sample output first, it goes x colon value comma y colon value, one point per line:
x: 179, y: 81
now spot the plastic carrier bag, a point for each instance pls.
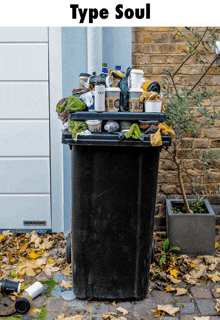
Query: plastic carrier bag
x: 156, y: 139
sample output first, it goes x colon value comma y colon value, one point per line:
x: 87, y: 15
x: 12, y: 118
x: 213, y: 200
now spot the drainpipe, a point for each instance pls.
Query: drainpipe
x: 94, y: 49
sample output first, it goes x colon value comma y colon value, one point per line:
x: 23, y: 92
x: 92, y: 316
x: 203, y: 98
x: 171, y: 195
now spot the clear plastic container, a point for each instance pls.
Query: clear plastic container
x: 94, y: 125
x: 152, y: 106
x: 112, y: 99
x: 136, y: 78
x: 135, y: 105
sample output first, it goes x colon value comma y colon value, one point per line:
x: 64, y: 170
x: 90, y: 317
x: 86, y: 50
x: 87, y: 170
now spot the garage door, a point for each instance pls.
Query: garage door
x: 25, y: 170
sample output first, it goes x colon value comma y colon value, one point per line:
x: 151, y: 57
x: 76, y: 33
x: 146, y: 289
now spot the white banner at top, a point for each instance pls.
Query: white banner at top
x: 75, y: 13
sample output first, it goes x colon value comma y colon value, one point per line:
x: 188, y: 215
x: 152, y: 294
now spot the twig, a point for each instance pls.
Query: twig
x: 187, y: 58
x: 162, y: 295
x: 162, y: 315
x: 217, y: 56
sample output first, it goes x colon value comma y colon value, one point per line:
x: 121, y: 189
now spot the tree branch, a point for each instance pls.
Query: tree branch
x: 217, y: 56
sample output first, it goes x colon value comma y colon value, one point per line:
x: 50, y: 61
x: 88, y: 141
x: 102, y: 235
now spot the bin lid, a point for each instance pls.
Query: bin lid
x: 111, y: 139
x: 118, y: 116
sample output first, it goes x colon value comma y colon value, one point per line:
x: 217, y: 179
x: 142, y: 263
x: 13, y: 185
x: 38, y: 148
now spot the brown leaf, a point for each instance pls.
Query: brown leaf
x: 172, y: 279
x: 30, y: 272
x: 168, y: 309
x: 215, y: 277
x: 180, y: 291
x: 217, y: 306
x: 66, y: 284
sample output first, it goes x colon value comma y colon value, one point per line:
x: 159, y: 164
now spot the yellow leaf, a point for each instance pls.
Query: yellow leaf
x: 23, y: 246
x: 174, y: 272
x: 216, y: 245
x: 193, y: 265
x: 35, y: 311
x: 169, y: 288
x: 114, y: 304
x: 1, y: 237
x: 157, y: 313
x: 122, y: 310
x: 33, y: 255
x: 50, y: 260
x: 23, y: 286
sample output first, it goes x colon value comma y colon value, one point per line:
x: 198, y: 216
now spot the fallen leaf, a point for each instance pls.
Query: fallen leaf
x: 169, y: 288
x: 217, y: 306
x: 215, y: 277
x: 187, y: 278
x: 66, y: 284
x: 50, y: 260
x: 193, y: 265
x: 61, y: 317
x: 157, y: 313
x: 201, y: 318
x: 172, y: 279
x: 35, y: 311
x: 168, y: 309
x: 30, y: 272
x: 114, y: 304
x: 174, y: 272
x: 122, y: 310
x: 212, y: 266
x: 180, y: 291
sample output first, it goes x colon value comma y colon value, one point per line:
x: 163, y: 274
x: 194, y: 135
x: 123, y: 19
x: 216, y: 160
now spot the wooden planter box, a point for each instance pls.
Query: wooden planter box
x: 194, y: 233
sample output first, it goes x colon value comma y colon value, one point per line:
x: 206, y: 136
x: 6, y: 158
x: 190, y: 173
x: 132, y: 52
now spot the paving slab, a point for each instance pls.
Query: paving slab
x: 206, y: 307
x: 99, y: 308
x: 201, y: 292
x: 39, y: 301
x: 55, y: 304
x: 187, y: 308
x: 51, y: 316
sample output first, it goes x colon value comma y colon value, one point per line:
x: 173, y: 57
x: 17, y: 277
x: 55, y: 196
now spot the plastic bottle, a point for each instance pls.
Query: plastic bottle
x: 104, y: 69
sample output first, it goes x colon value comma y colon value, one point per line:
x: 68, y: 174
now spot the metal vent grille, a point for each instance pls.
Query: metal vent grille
x: 34, y: 223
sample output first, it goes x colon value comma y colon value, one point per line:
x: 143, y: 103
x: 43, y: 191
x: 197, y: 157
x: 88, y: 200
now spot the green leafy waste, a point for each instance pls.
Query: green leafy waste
x: 72, y: 104
x: 134, y: 132
x: 77, y: 127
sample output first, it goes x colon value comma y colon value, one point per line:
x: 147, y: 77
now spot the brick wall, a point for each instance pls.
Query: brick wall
x: 154, y: 48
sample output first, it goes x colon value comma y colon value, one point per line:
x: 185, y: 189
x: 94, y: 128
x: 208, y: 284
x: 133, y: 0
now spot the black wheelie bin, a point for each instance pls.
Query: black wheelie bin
x: 114, y: 184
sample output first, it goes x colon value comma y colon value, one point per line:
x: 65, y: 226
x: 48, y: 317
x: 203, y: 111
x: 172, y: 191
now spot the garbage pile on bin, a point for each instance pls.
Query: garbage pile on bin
x: 115, y: 91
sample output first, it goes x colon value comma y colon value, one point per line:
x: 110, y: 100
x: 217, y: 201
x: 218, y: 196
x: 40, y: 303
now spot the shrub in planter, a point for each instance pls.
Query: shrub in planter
x: 194, y: 233
x: 190, y: 112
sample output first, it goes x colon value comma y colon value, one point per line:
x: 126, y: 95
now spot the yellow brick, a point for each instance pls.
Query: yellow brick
x: 140, y: 59
x: 150, y: 37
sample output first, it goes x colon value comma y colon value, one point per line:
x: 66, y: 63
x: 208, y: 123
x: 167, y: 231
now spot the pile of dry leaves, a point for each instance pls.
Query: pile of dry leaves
x: 192, y: 271
x: 29, y: 254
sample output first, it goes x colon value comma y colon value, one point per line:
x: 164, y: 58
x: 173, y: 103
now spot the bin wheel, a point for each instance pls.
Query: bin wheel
x: 68, y: 248
x: 152, y: 252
